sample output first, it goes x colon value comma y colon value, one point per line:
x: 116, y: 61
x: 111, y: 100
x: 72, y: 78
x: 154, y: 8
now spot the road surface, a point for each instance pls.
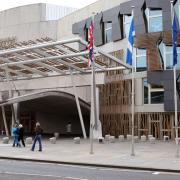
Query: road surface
x: 21, y: 170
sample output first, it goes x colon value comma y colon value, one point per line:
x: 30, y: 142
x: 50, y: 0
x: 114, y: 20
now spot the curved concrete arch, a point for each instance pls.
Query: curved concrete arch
x: 42, y: 94
x: 53, y: 109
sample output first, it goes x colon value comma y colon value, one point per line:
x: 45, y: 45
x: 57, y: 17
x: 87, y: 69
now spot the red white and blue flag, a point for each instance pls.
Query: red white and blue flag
x: 90, y: 44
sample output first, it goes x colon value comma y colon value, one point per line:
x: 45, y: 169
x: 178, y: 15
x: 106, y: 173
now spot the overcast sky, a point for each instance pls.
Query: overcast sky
x: 6, y: 4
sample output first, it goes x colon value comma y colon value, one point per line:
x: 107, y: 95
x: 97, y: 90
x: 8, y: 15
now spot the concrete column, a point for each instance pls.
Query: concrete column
x: 139, y: 92
x: 14, y: 109
x: 97, y: 102
x: 5, y: 122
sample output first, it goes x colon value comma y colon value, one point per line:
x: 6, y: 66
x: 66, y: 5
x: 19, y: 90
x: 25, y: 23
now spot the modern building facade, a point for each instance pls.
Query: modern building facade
x: 154, y: 103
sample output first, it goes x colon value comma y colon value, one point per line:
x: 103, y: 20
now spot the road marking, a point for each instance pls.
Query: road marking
x: 156, y: 173
x: 74, y: 178
x: 77, y: 166
x: 28, y: 174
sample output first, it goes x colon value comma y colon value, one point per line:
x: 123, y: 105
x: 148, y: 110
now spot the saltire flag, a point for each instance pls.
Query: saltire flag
x: 130, y: 43
x: 90, y: 44
x: 174, y: 38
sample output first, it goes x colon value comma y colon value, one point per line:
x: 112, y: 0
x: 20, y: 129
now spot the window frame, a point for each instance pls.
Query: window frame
x: 148, y: 16
x: 105, y: 32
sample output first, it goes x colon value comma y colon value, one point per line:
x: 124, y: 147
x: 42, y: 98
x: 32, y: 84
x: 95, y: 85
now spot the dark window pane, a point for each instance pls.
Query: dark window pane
x: 156, y: 86
x: 107, y: 32
x: 108, y: 36
x: 157, y: 97
x: 145, y: 91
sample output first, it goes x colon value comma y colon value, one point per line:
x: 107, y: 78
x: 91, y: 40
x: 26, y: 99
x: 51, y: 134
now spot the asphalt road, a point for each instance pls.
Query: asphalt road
x: 20, y: 170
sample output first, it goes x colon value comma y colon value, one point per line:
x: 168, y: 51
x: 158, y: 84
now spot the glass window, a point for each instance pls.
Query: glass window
x: 153, y: 94
x: 177, y: 8
x: 141, y: 60
x: 127, y: 20
x: 155, y: 24
x: 155, y: 12
x: 166, y: 52
x: 107, y: 32
x: 156, y: 86
x: 145, y: 91
x: 141, y: 63
x: 157, y: 97
x: 154, y: 18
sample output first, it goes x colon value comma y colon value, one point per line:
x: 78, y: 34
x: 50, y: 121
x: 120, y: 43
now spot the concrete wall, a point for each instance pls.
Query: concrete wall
x: 27, y: 23
x: 61, y: 83
x: 21, y: 15
x: 30, y: 31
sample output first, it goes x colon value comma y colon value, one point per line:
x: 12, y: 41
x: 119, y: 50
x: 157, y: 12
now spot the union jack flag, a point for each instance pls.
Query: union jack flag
x: 90, y: 44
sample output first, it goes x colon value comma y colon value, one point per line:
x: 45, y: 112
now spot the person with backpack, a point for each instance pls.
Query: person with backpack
x: 38, y: 137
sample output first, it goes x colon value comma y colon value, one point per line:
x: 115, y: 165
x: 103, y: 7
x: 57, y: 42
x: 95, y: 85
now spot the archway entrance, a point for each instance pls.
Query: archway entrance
x: 54, y: 110
x: 54, y: 113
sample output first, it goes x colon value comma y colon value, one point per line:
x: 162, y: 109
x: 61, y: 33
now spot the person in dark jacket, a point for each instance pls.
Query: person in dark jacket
x: 38, y: 137
x: 21, y: 134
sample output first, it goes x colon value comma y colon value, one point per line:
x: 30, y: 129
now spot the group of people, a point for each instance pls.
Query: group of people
x: 18, y: 135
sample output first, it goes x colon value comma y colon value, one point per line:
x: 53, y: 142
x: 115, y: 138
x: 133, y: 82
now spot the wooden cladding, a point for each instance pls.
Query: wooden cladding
x: 151, y: 42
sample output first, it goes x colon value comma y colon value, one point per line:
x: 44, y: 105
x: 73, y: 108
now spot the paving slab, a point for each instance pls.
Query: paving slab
x: 160, y: 155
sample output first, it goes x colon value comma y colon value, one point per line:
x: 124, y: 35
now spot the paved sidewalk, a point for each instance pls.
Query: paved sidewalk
x: 160, y: 155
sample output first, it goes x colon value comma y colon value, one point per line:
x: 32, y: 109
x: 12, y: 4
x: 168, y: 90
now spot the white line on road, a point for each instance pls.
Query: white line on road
x: 28, y: 174
x: 75, y: 178
x: 156, y: 173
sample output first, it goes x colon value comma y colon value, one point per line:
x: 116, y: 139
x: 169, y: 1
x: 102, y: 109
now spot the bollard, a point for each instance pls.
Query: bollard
x: 107, y: 137
x: 136, y: 139
x: 152, y: 140
x: 29, y: 140
x: 143, y: 138
x: 52, y: 140
x: 150, y: 136
x: 56, y: 135
x: 112, y: 139
x: 77, y: 140
x: 129, y: 137
x: 121, y: 138
x: 5, y: 140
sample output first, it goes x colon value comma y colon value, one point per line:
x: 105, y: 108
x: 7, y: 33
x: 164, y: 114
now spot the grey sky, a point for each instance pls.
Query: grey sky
x: 6, y: 4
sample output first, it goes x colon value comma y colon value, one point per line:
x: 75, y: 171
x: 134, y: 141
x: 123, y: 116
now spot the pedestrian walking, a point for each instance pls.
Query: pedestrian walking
x: 21, y: 134
x: 38, y: 137
x: 15, y: 134
x: 69, y: 129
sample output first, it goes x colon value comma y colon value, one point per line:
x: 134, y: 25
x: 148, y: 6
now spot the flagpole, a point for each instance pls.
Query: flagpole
x: 175, y: 109
x: 93, y: 86
x: 93, y: 115
x: 175, y: 91
x: 132, y: 105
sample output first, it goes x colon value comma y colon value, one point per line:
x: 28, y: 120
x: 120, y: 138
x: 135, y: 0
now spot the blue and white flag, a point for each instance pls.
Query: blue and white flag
x: 130, y: 43
x: 174, y: 36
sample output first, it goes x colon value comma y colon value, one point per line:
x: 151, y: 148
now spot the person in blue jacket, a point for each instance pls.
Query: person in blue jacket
x: 15, y: 134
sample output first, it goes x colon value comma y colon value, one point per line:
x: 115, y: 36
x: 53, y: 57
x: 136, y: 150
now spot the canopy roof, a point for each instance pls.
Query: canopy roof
x: 46, y: 57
